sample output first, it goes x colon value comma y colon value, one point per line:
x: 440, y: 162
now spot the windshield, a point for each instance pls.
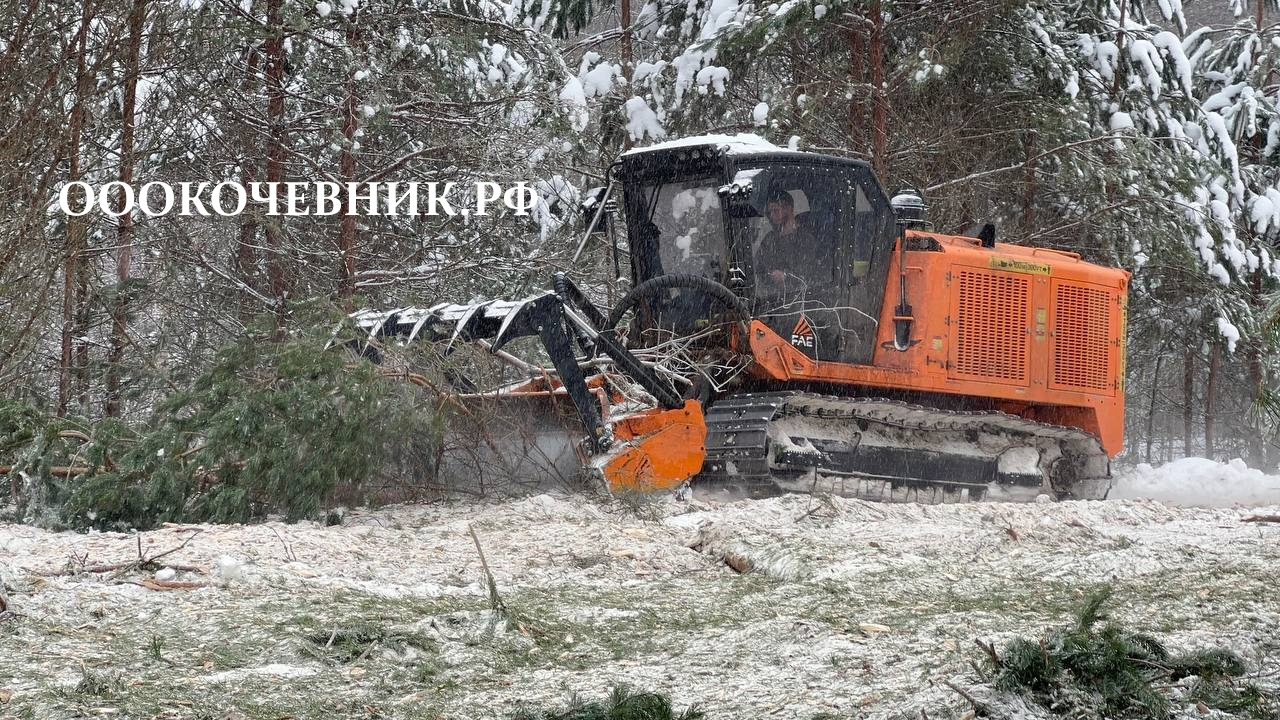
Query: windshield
x: 808, y: 228
x: 686, y: 218
x: 817, y: 238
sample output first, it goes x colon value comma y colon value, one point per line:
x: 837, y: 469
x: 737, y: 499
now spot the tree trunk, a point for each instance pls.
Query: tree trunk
x: 242, y: 261
x: 879, y: 97
x: 1256, y: 375
x: 1029, y: 185
x: 1151, y: 407
x: 1188, y: 398
x: 81, y: 365
x: 628, y: 57
x: 1256, y: 371
x: 347, y: 162
x: 124, y: 226
x: 1120, y: 30
x: 274, y: 50
x: 347, y: 231
x: 1211, y: 381
x: 76, y: 230
x: 857, y: 76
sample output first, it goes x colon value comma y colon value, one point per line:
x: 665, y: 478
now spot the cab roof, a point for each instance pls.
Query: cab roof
x: 707, y: 153
x: 740, y: 144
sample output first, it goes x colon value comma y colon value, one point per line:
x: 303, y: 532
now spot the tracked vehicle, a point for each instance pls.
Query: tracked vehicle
x: 790, y: 326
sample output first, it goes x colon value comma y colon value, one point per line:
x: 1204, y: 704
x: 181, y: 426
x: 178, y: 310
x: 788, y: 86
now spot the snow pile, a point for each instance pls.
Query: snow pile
x: 1199, y: 482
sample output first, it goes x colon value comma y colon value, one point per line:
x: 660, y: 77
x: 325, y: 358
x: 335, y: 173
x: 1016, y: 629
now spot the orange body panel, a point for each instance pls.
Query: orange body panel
x: 1039, y: 331
x: 657, y: 449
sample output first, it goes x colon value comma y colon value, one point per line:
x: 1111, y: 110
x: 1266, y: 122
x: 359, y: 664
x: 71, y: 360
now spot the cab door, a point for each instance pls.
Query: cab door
x: 823, y: 293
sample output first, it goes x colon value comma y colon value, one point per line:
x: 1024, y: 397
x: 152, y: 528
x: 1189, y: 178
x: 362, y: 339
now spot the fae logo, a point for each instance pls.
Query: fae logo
x: 802, y: 334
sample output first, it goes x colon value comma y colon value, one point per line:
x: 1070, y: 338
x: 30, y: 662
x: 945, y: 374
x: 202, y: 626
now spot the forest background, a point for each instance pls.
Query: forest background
x: 165, y: 355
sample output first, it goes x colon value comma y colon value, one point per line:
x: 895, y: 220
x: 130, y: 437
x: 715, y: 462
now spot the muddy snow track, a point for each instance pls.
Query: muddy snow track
x: 853, y: 608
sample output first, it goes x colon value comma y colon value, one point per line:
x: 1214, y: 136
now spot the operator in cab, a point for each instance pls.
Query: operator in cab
x: 780, y: 258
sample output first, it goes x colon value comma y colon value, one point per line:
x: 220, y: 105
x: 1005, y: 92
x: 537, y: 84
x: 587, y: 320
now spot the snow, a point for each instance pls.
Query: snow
x: 819, y: 11
x: 1143, y: 53
x: 851, y: 608
x: 1106, y: 54
x: 645, y: 70
x: 598, y: 81
x: 1263, y: 211
x: 1229, y: 332
x: 714, y: 77
x: 323, y: 9
x: 574, y: 98
x: 1120, y: 121
x: 1199, y: 482
x: 229, y: 568
x: 721, y: 14
x: 760, y: 114
x: 684, y: 243
x: 641, y: 120
x: 1217, y: 129
x: 524, y: 113
x: 741, y: 143
x: 1173, y: 49
x: 276, y: 670
x: 1224, y: 98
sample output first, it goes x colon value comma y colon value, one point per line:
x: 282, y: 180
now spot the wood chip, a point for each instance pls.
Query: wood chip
x: 153, y: 584
x: 5, y: 695
x: 873, y: 628
x: 738, y: 563
x: 1262, y: 519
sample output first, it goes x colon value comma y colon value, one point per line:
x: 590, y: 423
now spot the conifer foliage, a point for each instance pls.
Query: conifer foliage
x: 1118, y: 129
x: 274, y: 425
x: 1096, y: 667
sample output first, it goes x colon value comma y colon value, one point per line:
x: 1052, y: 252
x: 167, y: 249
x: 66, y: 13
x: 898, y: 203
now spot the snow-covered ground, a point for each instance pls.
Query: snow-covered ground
x: 1191, y: 482
x: 855, y: 608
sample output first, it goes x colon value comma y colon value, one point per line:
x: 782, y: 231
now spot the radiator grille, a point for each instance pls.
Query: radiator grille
x: 1082, y: 338
x: 991, y: 327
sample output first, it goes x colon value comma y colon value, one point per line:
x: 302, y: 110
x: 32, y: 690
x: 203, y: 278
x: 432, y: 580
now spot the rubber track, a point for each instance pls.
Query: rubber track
x: 737, y: 427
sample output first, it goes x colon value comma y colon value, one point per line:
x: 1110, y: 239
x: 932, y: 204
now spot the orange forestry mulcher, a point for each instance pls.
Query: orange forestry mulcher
x: 790, y: 327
